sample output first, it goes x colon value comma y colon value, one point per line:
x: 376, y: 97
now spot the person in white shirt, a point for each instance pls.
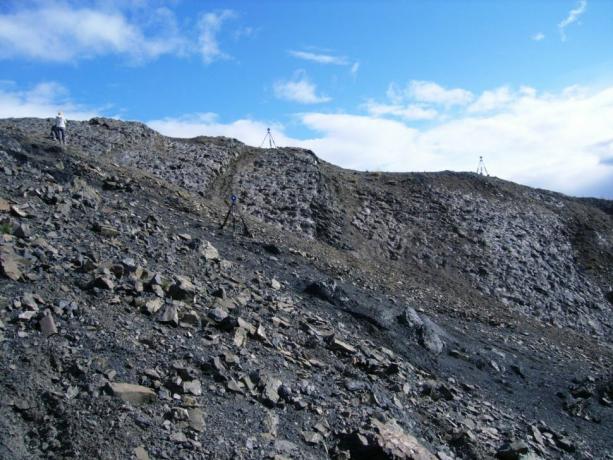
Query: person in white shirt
x: 60, y: 127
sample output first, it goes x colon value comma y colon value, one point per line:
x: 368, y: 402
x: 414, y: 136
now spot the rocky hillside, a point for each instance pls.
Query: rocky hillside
x: 538, y: 252
x: 371, y: 315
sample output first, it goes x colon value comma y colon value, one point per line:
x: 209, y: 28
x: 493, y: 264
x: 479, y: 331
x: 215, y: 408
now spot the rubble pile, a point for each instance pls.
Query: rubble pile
x: 132, y: 327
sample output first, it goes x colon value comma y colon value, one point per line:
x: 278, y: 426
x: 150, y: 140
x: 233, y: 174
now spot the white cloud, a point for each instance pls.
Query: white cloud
x: 573, y: 16
x: 42, y: 101
x: 209, y: 26
x: 63, y: 33
x: 300, y: 89
x: 429, y: 92
x: 538, y: 36
x: 354, y: 68
x: 360, y: 142
x: 542, y: 140
x: 492, y: 100
x: 407, y: 112
x: 320, y: 58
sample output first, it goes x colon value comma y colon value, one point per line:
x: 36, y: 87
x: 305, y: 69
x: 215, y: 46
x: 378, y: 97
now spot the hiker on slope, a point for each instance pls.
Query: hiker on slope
x: 60, y: 128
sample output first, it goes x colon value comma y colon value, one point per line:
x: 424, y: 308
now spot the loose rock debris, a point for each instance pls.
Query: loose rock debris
x: 129, y: 327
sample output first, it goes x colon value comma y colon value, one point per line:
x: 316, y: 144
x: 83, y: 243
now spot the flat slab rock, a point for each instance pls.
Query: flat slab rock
x: 135, y: 394
x: 395, y: 441
x: 10, y: 269
x: 4, y: 205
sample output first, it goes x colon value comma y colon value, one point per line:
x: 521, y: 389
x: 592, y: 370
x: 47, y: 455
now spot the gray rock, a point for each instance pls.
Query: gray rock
x: 512, y: 451
x: 105, y: 230
x: 196, y: 419
x: 47, y: 325
x: 182, y: 289
x: 355, y: 385
x: 102, y: 282
x: 275, y: 284
x: 270, y: 392
x: 209, y: 252
x: 190, y: 318
x: 153, y: 306
x: 4, y: 205
x: 140, y: 453
x: 16, y: 211
x: 10, y: 267
x: 22, y: 231
x: 135, y: 394
x: 178, y: 437
x: 193, y: 387
x: 170, y: 315
x: 427, y: 333
x: 341, y: 346
x: 217, y: 314
x: 311, y: 437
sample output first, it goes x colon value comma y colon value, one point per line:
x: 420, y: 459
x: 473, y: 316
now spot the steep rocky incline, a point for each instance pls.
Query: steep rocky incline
x: 538, y: 252
x: 370, y: 316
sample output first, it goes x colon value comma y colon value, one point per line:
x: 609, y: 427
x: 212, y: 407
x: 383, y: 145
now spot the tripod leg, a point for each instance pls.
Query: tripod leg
x: 246, y: 231
x: 227, y: 216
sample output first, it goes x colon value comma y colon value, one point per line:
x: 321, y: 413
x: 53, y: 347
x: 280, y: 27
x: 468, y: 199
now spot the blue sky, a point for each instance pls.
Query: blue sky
x: 390, y: 85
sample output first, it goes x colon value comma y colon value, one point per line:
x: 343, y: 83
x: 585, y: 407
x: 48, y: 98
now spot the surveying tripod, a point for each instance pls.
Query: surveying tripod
x: 481, y: 169
x: 235, y: 214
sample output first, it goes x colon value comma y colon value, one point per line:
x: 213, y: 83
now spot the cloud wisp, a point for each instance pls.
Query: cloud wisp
x: 320, y: 58
x: 299, y: 89
x: 419, y: 100
x: 537, y: 37
x: 573, y: 16
x: 209, y: 26
x: 407, y: 112
x: 429, y: 92
x: 327, y: 59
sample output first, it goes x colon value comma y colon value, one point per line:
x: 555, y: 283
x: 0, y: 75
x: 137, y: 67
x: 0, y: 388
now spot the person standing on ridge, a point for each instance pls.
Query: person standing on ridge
x: 60, y: 127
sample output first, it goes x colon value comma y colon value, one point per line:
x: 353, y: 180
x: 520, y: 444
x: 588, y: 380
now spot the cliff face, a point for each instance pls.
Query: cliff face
x: 371, y: 315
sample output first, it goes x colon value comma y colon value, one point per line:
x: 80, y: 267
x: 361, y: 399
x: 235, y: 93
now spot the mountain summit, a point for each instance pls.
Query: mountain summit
x: 371, y: 315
